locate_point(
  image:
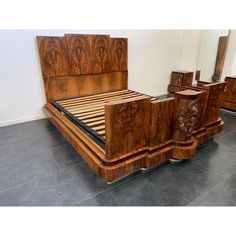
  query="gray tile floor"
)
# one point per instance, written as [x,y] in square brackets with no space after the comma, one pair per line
[39,168]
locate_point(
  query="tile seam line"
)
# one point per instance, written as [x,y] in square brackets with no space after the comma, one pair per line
[107,189]
[216,186]
[201,196]
[27,181]
[24,139]
[212,171]
[36,177]
[220,136]
[41,150]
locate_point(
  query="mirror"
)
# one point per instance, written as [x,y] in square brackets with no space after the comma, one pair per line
[211,55]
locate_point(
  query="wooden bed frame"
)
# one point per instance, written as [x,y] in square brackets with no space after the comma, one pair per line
[115,130]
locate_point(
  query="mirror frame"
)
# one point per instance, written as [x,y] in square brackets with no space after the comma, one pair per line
[219,61]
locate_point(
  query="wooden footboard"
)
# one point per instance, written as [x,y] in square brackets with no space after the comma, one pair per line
[127,126]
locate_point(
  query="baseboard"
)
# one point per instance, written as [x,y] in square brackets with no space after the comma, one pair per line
[22,120]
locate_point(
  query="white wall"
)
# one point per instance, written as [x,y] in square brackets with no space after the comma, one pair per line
[229,68]
[208,51]
[152,57]
[190,46]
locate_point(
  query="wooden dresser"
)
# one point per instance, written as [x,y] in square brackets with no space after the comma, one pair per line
[179,79]
[229,99]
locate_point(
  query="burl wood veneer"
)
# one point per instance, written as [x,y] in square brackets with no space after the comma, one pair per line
[115,130]
[220,58]
[229,98]
[179,79]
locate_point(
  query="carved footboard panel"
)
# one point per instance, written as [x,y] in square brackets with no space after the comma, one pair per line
[127,124]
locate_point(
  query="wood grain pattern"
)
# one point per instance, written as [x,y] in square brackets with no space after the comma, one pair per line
[150,155]
[230,90]
[100,105]
[111,169]
[197,75]
[176,78]
[72,86]
[229,105]
[119,54]
[187,116]
[214,102]
[179,79]
[53,56]
[94,119]
[172,89]
[203,98]
[65,60]
[229,98]
[83,117]
[187,78]
[101,100]
[92,98]
[100,54]
[220,58]
[88,54]
[162,121]
[92,111]
[127,126]
[79,54]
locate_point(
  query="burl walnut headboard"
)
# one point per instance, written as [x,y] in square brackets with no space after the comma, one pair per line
[78,64]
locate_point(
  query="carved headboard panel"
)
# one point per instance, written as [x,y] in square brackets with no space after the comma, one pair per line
[67,62]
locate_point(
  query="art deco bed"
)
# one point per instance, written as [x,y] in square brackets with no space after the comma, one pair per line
[118,131]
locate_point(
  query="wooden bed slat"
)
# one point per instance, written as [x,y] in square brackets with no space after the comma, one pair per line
[75,105]
[95,96]
[101,132]
[94,119]
[95,122]
[90,108]
[102,127]
[92,115]
[101,104]
[99,100]
[90,111]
